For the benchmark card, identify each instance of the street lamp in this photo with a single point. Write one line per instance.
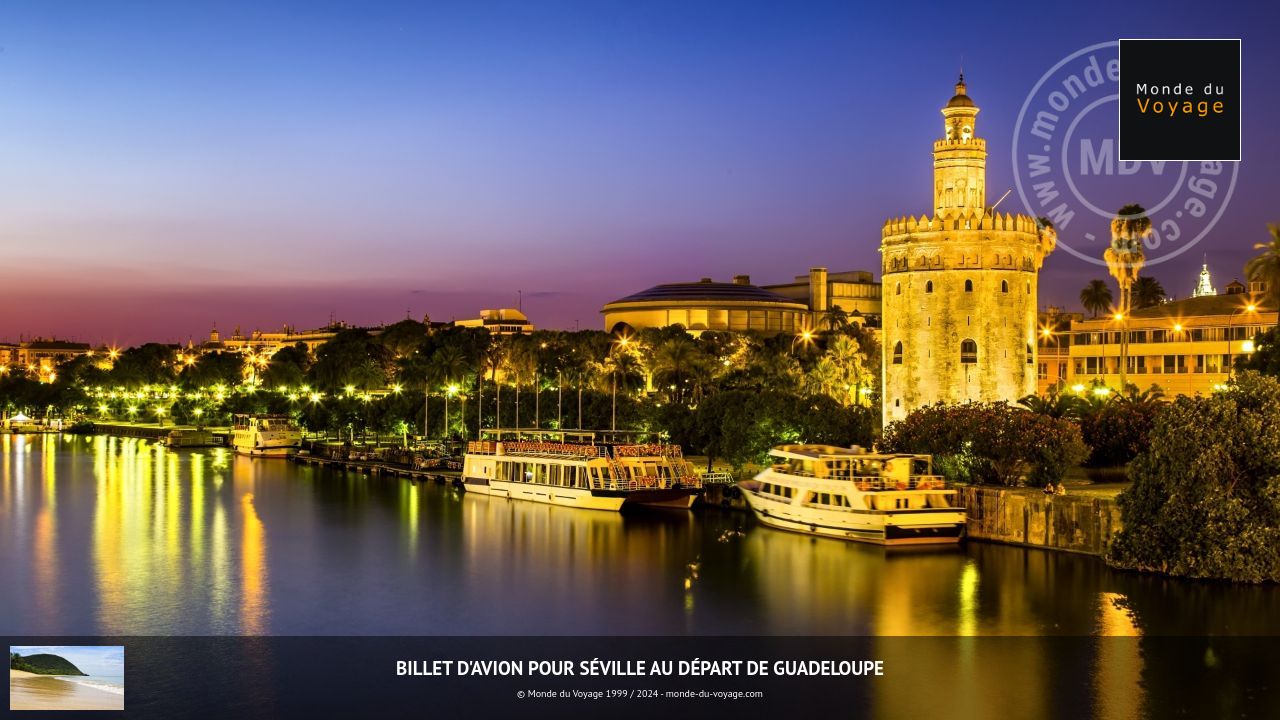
(450, 391)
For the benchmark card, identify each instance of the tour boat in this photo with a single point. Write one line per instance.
(265, 435)
(851, 494)
(579, 469)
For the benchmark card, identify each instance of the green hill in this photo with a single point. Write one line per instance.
(43, 664)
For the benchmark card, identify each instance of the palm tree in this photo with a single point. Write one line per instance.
(451, 364)
(1055, 404)
(836, 320)
(1124, 259)
(1265, 268)
(1096, 297)
(1147, 292)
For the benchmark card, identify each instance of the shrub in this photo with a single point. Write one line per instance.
(1119, 430)
(991, 443)
(1205, 500)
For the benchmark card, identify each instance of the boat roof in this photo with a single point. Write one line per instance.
(834, 452)
(588, 437)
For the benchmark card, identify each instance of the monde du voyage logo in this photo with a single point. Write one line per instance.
(1156, 122)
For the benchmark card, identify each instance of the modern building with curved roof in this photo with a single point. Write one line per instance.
(708, 305)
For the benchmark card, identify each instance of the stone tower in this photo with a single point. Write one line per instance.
(959, 294)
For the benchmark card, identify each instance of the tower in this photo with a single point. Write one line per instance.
(960, 284)
(1205, 286)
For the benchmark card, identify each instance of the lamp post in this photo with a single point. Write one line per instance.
(623, 342)
(1250, 308)
(449, 392)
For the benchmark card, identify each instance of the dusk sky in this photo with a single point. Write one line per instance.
(166, 167)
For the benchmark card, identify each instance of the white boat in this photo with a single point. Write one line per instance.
(851, 494)
(574, 469)
(265, 435)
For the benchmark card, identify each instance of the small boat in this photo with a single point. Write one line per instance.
(265, 435)
(583, 469)
(852, 494)
(191, 438)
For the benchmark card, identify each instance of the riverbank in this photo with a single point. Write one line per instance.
(28, 691)
(1083, 521)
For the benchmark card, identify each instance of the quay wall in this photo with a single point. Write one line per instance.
(1073, 523)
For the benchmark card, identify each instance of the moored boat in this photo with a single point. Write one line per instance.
(190, 438)
(265, 435)
(579, 469)
(851, 494)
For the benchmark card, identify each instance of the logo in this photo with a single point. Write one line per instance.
(1067, 167)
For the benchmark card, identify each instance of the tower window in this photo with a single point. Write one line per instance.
(899, 291)
(897, 353)
(1004, 286)
(968, 352)
(968, 286)
(928, 287)
(1031, 354)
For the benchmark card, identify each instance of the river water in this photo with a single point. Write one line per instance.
(114, 536)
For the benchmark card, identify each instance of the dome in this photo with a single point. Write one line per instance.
(960, 99)
(705, 290)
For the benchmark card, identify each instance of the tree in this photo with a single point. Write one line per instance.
(152, 363)
(680, 367)
(1205, 499)
(215, 368)
(1147, 292)
(1055, 404)
(1265, 357)
(351, 358)
(1125, 259)
(1096, 297)
(288, 367)
(1265, 267)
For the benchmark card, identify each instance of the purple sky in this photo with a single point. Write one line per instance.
(166, 168)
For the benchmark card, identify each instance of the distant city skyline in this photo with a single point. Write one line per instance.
(171, 168)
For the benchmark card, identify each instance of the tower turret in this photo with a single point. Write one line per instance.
(959, 159)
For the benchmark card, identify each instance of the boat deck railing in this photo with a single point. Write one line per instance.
(867, 483)
(717, 478)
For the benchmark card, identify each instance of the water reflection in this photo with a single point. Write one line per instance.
(120, 536)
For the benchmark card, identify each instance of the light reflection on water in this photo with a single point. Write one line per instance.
(120, 536)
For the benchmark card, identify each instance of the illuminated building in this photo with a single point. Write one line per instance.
(959, 284)
(854, 292)
(502, 321)
(1186, 347)
(707, 305)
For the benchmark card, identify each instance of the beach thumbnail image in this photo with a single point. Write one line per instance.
(66, 677)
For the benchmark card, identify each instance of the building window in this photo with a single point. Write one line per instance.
(968, 286)
(968, 352)
(1004, 286)
(928, 287)
(897, 353)
(899, 290)
(1031, 354)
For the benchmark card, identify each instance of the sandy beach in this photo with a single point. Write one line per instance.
(28, 691)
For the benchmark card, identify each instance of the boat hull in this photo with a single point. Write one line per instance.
(282, 451)
(921, 527)
(672, 498)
